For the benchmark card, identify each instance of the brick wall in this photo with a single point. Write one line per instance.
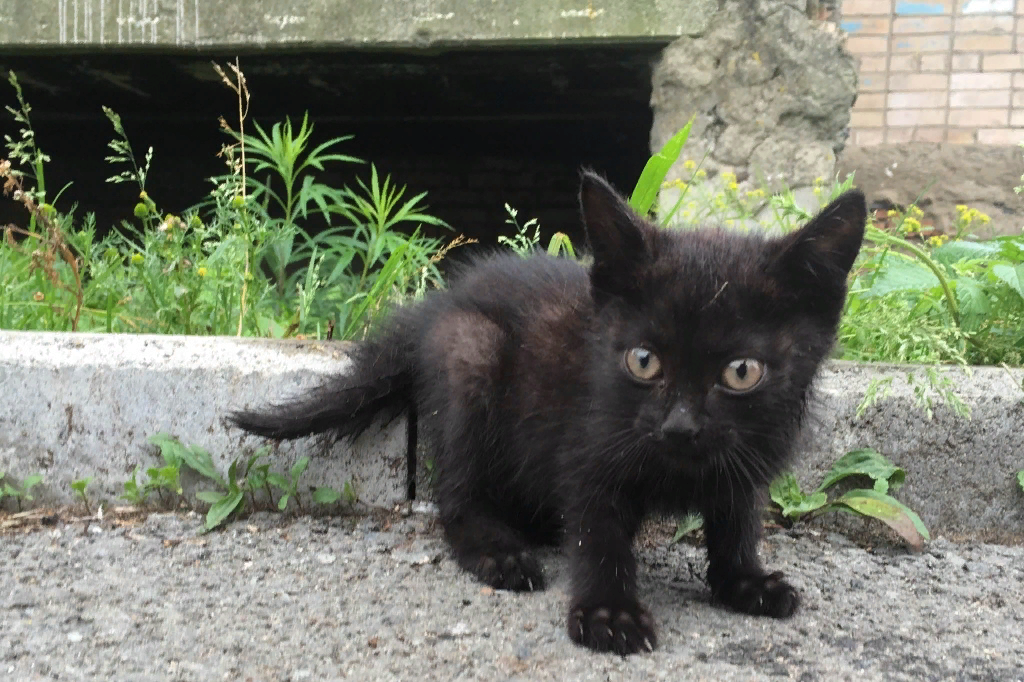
(937, 70)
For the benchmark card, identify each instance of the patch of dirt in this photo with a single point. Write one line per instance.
(943, 176)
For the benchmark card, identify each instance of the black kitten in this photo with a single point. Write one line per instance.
(568, 404)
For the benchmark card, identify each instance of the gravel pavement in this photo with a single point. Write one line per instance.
(373, 598)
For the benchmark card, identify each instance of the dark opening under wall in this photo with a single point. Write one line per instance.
(475, 128)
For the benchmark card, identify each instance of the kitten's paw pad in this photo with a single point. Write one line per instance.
(517, 572)
(623, 630)
(760, 595)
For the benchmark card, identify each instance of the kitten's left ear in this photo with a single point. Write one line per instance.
(819, 255)
(616, 236)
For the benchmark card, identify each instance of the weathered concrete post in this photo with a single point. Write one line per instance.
(771, 88)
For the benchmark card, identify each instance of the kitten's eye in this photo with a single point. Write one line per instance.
(742, 375)
(643, 364)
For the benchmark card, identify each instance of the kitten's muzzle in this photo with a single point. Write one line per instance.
(682, 423)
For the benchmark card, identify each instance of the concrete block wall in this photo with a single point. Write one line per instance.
(937, 70)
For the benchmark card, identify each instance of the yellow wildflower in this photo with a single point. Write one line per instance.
(201, 272)
(911, 225)
(938, 240)
(914, 211)
(733, 186)
(689, 164)
(701, 173)
(137, 258)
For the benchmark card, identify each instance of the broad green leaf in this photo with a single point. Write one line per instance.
(687, 525)
(299, 467)
(1011, 275)
(210, 496)
(647, 187)
(785, 491)
(282, 504)
(222, 509)
(960, 250)
(1020, 479)
(865, 462)
(888, 510)
(278, 480)
(901, 274)
(326, 495)
(170, 449)
(32, 481)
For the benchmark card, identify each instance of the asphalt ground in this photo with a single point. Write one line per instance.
(378, 598)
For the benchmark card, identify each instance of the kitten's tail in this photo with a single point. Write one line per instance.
(379, 385)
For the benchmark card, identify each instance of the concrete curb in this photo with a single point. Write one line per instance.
(79, 405)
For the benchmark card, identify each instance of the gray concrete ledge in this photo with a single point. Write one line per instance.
(77, 405)
(172, 24)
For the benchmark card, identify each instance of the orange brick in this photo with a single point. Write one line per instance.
(870, 100)
(980, 98)
(936, 134)
(917, 100)
(918, 81)
(868, 44)
(899, 135)
(904, 25)
(1000, 135)
(1002, 62)
(984, 24)
(872, 63)
(983, 43)
(866, 138)
(961, 135)
(967, 62)
(979, 81)
(868, 26)
(915, 117)
(867, 119)
(935, 62)
(979, 117)
(904, 62)
(921, 43)
(852, 7)
(873, 82)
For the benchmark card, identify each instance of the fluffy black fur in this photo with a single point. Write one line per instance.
(537, 384)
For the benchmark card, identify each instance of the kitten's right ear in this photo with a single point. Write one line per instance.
(616, 236)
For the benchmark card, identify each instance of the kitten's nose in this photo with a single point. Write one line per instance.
(681, 421)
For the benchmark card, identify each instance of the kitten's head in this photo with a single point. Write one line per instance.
(706, 340)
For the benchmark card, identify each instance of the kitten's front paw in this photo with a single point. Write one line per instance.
(621, 629)
(517, 572)
(759, 594)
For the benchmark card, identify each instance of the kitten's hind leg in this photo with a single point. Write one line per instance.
(491, 550)
(735, 574)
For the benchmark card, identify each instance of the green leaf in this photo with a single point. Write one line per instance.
(785, 491)
(889, 511)
(326, 495)
(81, 484)
(298, 468)
(210, 496)
(902, 274)
(960, 250)
(170, 449)
(1011, 275)
(32, 481)
(1020, 479)
(865, 462)
(222, 509)
(282, 504)
(647, 187)
(278, 480)
(687, 525)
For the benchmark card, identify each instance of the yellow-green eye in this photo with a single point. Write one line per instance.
(643, 364)
(743, 375)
